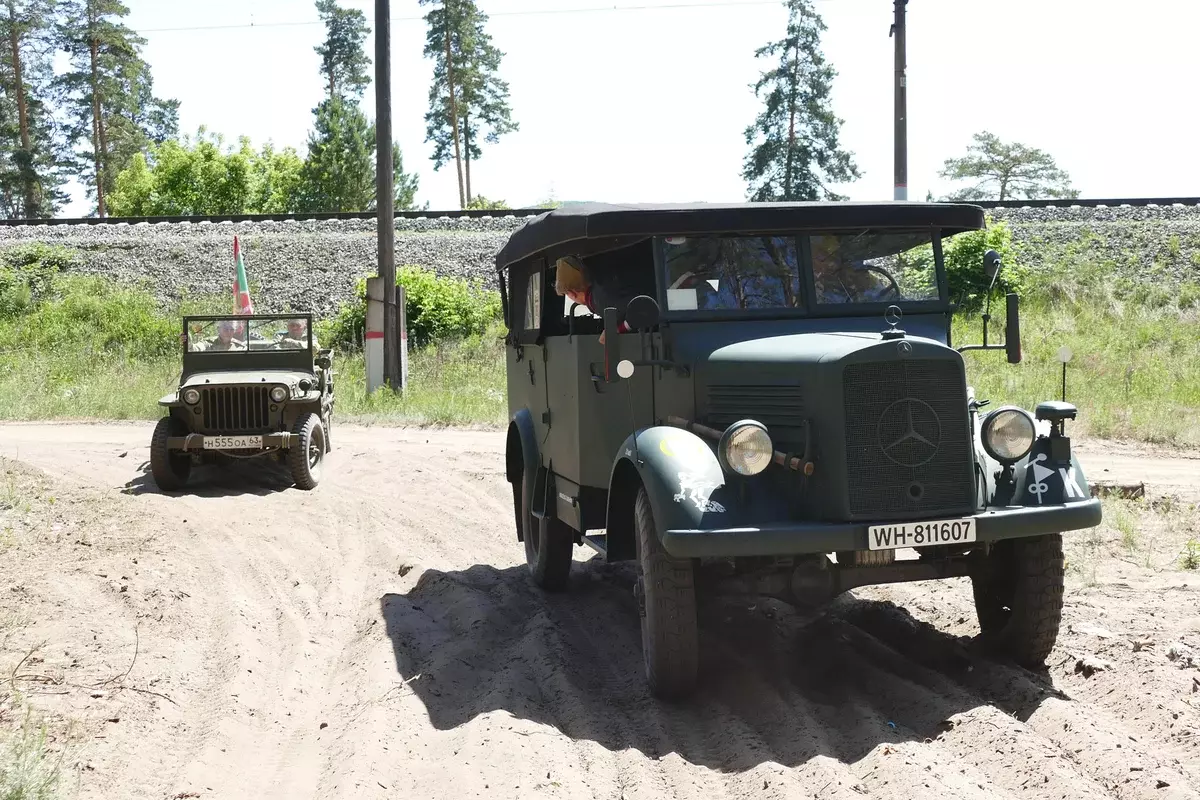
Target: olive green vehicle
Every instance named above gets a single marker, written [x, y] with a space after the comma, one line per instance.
[786, 417]
[251, 387]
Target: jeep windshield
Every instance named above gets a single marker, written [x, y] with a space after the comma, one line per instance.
[721, 273]
[238, 335]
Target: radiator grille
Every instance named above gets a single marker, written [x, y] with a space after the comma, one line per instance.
[235, 409]
[780, 408]
[907, 439]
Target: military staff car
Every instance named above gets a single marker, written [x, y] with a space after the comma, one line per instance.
[251, 386]
[786, 416]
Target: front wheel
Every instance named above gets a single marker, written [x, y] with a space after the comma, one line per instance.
[170, 469]
[666, 590]
[307, 454]
[547, 547]
[1019, 597]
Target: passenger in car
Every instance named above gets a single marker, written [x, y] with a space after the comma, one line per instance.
[573, 282]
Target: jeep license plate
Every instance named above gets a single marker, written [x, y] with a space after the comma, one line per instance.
[231, 442]
[920, 534]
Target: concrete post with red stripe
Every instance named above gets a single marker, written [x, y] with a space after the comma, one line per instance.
[373, 342]
[402, 321]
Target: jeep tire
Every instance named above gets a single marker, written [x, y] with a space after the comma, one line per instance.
[170, 470]
[666, 595]
[1019, 598]
[547, 547]
[307, 455]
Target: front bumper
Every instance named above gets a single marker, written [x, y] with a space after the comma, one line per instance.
[798, 538]
[276, 440]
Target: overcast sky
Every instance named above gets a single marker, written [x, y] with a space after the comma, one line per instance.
[648, 102]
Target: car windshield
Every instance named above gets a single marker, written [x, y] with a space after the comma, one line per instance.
[765, 272]
[237, 335]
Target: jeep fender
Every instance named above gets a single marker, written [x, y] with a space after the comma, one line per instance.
[684, 482]
[169, 400]
[521, 456]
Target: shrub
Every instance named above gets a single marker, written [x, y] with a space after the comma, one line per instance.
[963, 256]
[436, 309]
[28, 274]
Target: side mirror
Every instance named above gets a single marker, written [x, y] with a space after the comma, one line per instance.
[991, 264]
[642, 313]
[1012, 327]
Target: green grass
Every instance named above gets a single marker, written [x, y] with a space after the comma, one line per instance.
[96, 351]
[28, 770]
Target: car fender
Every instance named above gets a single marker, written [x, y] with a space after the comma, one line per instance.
[1040, 480]
[169, 400]
[522, 438]
[684, 482]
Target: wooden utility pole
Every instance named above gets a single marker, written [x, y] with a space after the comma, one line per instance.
[385, 194]
[901, 135]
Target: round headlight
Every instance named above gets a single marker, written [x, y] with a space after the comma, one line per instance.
[279, 394]
[745, 448]
[1008, 434]
[191, 396]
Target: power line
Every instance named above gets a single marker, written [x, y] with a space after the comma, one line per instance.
[536, 12]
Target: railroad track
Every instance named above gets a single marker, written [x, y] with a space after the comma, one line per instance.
[530, 212]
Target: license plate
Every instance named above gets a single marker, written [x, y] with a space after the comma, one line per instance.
[231, 442]
[921, 534]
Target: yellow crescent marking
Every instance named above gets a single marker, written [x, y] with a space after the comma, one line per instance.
[665, 446]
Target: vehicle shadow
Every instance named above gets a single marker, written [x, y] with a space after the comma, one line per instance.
[260, 477]
[776, 685]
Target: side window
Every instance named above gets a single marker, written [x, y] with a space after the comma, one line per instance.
[533, 301]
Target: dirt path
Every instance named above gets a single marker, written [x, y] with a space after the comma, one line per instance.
[379, 638]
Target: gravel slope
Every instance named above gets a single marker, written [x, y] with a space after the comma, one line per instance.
[379, 638]
[314, 265]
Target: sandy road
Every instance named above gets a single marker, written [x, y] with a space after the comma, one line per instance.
[378, 638]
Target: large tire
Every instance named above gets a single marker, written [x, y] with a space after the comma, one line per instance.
[170, 470]
[1019, 598]
[666, 592]
[547, 548]
[307, 456]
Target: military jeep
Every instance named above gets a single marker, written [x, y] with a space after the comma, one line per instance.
[785, 416]
[251, 387]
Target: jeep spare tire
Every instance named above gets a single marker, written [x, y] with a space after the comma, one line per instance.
[170, 470]
[307, 453]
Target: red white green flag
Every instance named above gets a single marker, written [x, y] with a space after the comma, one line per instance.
[241, 287]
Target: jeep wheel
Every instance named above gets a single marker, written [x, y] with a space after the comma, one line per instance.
[1019, 597]
[666, 594]
[307, 455]
[547, 548]
[170, 470]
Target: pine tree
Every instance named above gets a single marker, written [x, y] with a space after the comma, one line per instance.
[108, 93]
[468, 102]
[31, 150]
[339, 172]
[794, 141]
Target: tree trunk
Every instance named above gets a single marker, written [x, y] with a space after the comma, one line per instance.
[99, 145]
[462, 200]
[791, 149]
[466, 130]
[22, 106]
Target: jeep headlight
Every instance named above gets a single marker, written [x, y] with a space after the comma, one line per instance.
[745, 448]
[191, 396]
[279, 394]
[1008, 434]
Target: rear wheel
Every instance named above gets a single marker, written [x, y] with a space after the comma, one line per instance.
[548, 545]
[1019, 597]
[666, 593]
[307, 454]
[170, 469]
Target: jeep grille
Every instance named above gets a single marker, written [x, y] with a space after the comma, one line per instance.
[892, 472]
[232, 409]
[780, 408]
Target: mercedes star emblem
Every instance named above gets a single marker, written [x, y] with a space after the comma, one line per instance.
[893, 315]
[910, 432]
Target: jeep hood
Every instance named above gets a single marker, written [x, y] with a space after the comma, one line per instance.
[244, 377]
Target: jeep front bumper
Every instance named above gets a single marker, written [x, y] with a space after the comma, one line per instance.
[799, 538]
[275, 440]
